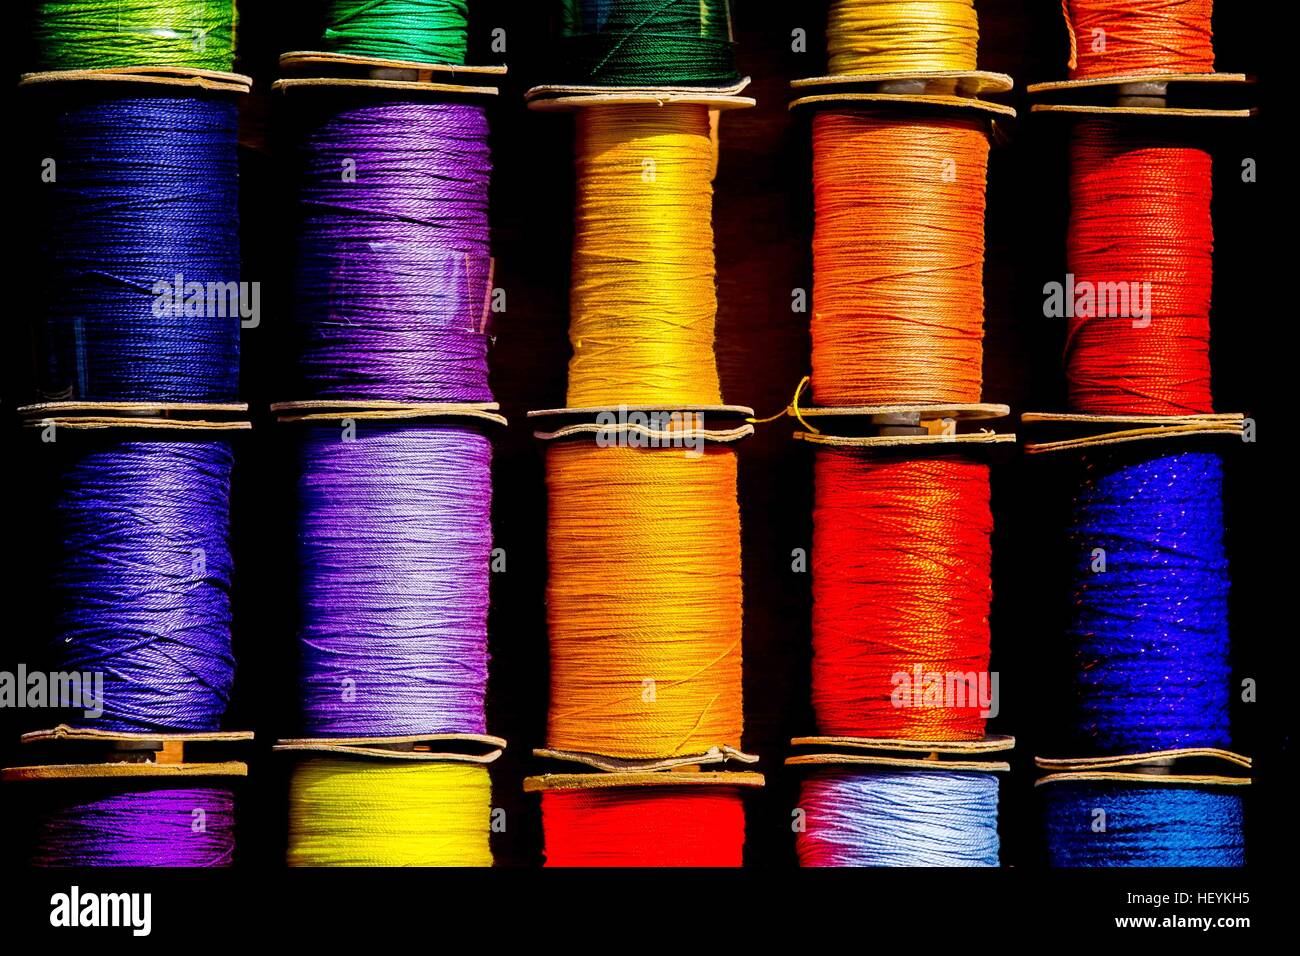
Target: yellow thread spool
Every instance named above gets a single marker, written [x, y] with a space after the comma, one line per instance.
[895, 36]
[643, 298]
[346, 812]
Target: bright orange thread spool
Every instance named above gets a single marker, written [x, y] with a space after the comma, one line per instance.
[898, 259]
[901, 580]
[1135, 37]
[662, 826]
[1141, 233]
[643, 600]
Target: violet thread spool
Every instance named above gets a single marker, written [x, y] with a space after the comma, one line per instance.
[394, 548]
[394, 267]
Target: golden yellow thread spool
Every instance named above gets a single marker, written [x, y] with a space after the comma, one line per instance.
[895, 36]
[643, 298]
[644, 600]
[348, 812]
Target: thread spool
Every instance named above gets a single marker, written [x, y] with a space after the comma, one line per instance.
[643, 296]
[644, 604]
[416, 31]
[898, 817]
[140, 577]
[395, 539]
[112, 34]
[898, 255]
[358, 812]
[1109, 39]
[394, 267]
[894, 36]
[640, 819]
[1124, 820]
[901, 594]
[1149, 631]
[115, 799]
[139, 253]
[112, 825]
[1140, 229]
[654, 43]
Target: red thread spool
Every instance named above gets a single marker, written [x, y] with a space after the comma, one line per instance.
[660, 826]
[1127, 37]
[901, 579]
[1140, 232]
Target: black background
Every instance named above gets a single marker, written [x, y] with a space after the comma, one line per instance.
[763, 227]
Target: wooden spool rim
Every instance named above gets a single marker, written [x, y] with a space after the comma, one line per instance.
[993, 743]
[334, 410]
[926, 102]
[976, 81]
[1142, 780]
[669, 438]
[296, 59]
[901, 763]
[928, 442]
[1140, 759]
[1129, 79]
[608, 781]
[610, 764]
[128, 771]
[587, 412]
[319, 83]
[1181, 112]
[213, 81]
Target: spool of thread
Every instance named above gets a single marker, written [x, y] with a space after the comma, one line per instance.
[1109, 823]
[1141, 239]
[104, 34]
[644, 295]
[643, 600]
[898, 818]
[394, 267]
[651, 43]
[394, 533]
[380, 813]
[140, 583]
[140, 251]
[418, 31]
[898, 259]
[151, 826]
[1128, 37]
[1149, 632]
[894, 36]
[686, 826]
[901, 593]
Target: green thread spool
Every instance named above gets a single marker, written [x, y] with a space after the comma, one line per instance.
[418, 31]
[112, 34]
[649, 43]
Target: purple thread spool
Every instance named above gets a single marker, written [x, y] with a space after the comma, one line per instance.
[394, 532]
[394, 265]
[141, 581]
[156, 826]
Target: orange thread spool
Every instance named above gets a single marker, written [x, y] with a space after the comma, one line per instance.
[901, 580]
[643, 600]
[1135, 37]
[898, 259]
